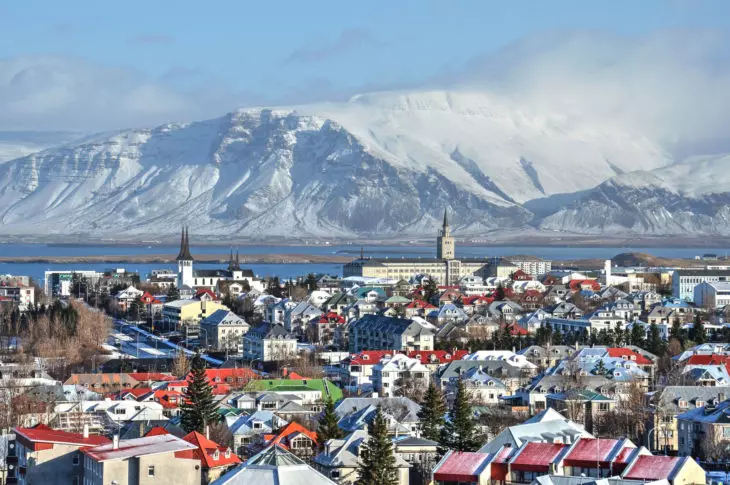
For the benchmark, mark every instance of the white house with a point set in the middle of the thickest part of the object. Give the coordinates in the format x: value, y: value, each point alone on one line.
x: 394, y: 376
x: 712, y: 295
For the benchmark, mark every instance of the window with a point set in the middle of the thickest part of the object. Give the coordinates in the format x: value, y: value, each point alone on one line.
x: 700, y: 404
x: 151, y: 471
x: 75, y: 459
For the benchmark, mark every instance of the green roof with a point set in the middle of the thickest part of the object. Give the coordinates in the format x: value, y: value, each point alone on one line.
x: 324, y: 386
x: 397, y: 299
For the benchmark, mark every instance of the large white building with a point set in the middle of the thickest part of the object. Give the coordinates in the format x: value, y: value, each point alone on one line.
x: 712, y: 295
x: 684, y: 281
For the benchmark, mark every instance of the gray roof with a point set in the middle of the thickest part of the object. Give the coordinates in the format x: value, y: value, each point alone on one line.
x: 400, y: 408
x: 270, y: 330
x: 701, y: 272
x: 667, y: 400
x: 495, y: 368
x: 223, y: 317
x: 274, y: 466
x: 389, y: 325
x: 543, y: 431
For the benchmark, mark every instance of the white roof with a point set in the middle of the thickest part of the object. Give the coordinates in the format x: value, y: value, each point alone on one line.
x: 149, y: 445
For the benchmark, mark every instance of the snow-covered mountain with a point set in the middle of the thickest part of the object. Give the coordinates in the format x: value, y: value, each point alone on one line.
x: 379, y: 165
x: 692, y: 197
x: 15, y: 144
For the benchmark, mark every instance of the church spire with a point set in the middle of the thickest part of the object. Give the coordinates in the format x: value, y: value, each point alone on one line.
x: 446, y: 219
x: 238, y: 262
x: 184, y: 254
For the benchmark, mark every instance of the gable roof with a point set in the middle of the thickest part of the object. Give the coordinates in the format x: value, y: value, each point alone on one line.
x: 537, y: 457
x: 206, y: 452
x: 292, y: 429
x: 148, y: 445
x: 461, y: 467
x: 648, y: 467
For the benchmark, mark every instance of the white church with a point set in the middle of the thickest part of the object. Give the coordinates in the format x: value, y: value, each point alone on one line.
x: 190, y: 280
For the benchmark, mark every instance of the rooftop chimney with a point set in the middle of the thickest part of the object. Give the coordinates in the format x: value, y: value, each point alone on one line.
x: 115, y: 442
x: 86, y: 431
x: 207, y: 431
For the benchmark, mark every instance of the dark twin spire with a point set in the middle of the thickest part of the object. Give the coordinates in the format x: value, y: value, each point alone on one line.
x: 184, y: 254
x: 234, y: 264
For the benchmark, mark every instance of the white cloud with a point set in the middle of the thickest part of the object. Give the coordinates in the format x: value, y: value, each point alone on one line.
x: 65, y: 93
x: 673, y: 85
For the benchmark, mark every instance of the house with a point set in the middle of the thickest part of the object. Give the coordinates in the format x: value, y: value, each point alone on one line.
x: 340, y: 459
x: 536, y: 458
x: 599, y: 458
x: 224, y: 330
x: 106, y: 415
x: 269, y: 342
x: 141, y: 460
x: 448, y: 312
x: 190, y: 311
x: 312, y: 392
x: 357, y: 370
x: 435, y: 359
x: 105, y: 382
x: 401, y: 413
x: 294, y: 438
x: 511, y: 376
x: 581, y: 405
x: 44, y: 455
x: 18, y: 291
x: 125, y: 297
x: 298, y: 317
x: 463, y: 467
x: 374, y: 332
x: 671, y: 401
x: 531, y: 300
x: 675, y: 470
x: 249, y: 429
x: 535, y: 394
x: 273, y: 466
x: 546, y: 357
x: 418, y: 308
x: 483, y: 388
x: 214, y: 459
x: 704, y: 431
x: 400, y: 375
x: 322, y: 329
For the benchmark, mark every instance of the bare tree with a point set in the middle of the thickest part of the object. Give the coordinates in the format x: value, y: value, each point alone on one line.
x: 180, y: 364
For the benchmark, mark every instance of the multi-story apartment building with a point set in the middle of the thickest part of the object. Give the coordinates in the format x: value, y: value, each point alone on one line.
x: 269, y: 342
x: 375, y: 332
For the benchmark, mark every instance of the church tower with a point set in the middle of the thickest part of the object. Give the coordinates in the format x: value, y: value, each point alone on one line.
x: 184, y: 262
x: 444, y: 242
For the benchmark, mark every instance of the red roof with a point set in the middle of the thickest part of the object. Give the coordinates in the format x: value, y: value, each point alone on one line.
x: 535, y: 293
x: 461, y: 467
x: 288, y: 432
x: 622, y: 352
x: 653, y: 468
x: 205, y: 291
x: 708, y: 359
x: 588, y: 451
x: 577, y: 285
x: 44, y: 434
x: 520, y: 275
x: 420, y: 304
x: 515, y: 329
x: 206, y: 452
x: 476, y: 300
x: 440, y: 356
x: 151, y: 376
x: 156, y: 431
x: 149, y: 299
x: 536, y: 457
x: 370, y: 357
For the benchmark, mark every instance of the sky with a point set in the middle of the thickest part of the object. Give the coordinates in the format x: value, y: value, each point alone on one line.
x: 95, y: 65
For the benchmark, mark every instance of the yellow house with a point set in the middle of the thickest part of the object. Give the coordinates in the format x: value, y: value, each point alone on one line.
x: 190, y: 311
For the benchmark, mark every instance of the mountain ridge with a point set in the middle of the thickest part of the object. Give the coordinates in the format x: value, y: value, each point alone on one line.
x: 379, y: 165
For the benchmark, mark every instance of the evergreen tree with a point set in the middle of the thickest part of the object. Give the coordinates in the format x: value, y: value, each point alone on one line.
x: 601, y: 368
x: 173, y: 293
x: 430, y: 289
x: 432, y: 413
x: 377, y: 463
x: 654, y: 342
x: 618, y: 334
x: 499, y: 293
x: 459, y: 432
x: 637, y: 335
x: 311, y: 282
x: 198, y: 409
x: 697, y: 334
x: 676, y: 331
x: 327, y: 427
x: 557, y: 337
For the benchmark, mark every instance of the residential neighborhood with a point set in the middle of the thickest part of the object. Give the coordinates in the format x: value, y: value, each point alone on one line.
x: 447, y: 371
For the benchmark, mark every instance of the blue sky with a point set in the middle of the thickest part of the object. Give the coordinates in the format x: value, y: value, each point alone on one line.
x: 160, y: 54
